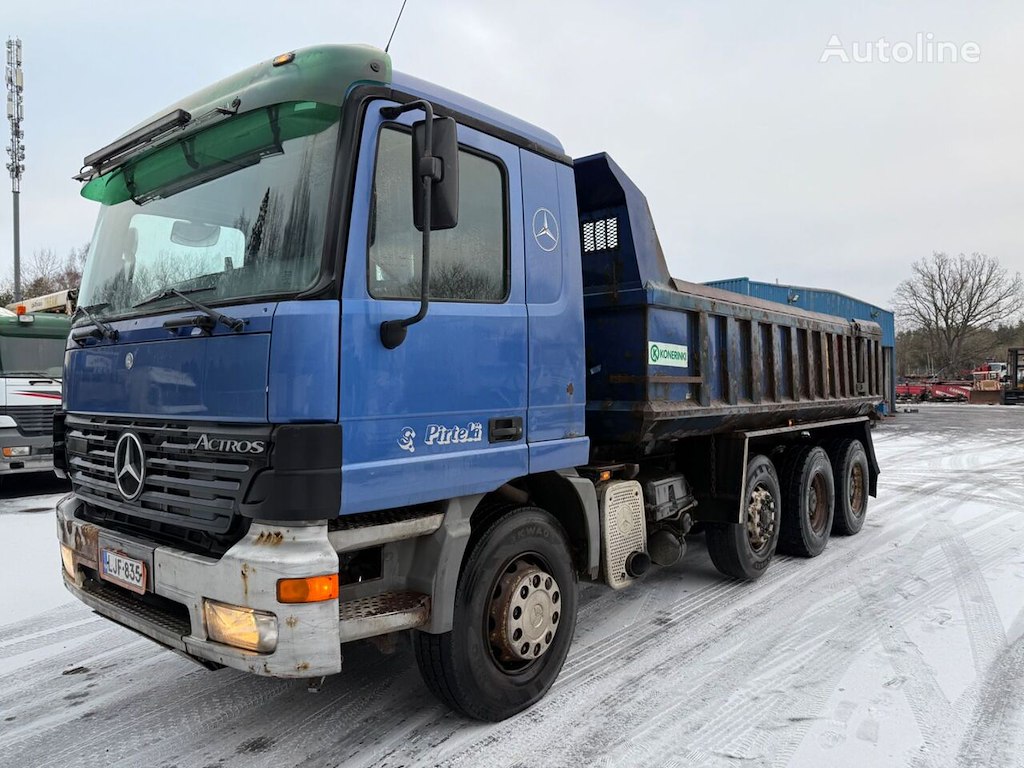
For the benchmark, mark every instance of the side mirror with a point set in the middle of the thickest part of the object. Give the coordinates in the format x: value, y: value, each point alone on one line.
x: 435, y: 198
x: 443, y: 160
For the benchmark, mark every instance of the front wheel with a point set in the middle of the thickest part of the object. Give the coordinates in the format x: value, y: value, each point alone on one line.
x: 745, y: 551
x: 515, y: 614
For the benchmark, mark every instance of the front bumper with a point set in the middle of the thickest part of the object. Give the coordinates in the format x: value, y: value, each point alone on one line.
x: 309, y: 642
x: 40, y: 458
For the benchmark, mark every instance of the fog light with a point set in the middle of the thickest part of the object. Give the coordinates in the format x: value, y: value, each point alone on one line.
x: 21, y: 450
x: 68, y: 558
x: 240, y: 627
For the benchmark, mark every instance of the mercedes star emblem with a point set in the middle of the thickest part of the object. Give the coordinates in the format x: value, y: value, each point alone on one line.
x: 545, y: 229
x: 129, y: 466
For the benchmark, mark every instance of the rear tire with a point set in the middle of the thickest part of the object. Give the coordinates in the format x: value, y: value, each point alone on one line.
x: 515, y: 615
x: 745, y: 551
x: 808, y: 501
x: 852, y: 478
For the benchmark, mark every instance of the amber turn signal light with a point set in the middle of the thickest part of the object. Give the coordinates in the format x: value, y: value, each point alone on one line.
x: 312, y: 589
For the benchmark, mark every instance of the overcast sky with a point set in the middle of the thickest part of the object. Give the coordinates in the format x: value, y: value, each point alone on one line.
x: 757, y: 159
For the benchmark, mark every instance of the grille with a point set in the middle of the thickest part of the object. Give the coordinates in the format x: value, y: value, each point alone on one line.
x: 32, y: 419
x: 185, y: 488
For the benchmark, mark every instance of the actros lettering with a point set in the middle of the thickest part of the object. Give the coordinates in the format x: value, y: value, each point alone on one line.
x: 225, y: 445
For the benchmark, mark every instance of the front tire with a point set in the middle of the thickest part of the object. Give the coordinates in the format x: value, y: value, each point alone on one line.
x: 745, y: 551
x: 515, y: 615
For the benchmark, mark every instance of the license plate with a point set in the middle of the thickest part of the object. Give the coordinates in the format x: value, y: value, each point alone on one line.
x: 129, y: 573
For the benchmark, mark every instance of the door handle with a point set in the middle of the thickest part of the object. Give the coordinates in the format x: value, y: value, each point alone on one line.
x: 506, y: 430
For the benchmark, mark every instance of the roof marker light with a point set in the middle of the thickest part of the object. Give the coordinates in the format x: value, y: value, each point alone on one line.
x: 284, y: 58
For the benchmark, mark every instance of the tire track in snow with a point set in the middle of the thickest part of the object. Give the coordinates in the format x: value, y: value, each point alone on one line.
x: 634, y: 644
x: 995, y: 733
x: 841, y: 612
x: 380, y: 714
x: 629, y: 639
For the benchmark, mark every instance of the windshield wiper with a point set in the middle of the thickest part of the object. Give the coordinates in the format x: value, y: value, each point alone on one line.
x: 102, y: 330
x: 167, y: 293
x: 33, y: 375
x: 231, y: 322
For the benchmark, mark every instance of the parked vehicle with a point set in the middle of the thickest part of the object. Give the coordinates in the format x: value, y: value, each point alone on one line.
x: 31, y: 365
x: 362, y: 355
x: 920, y: 390
x: 1014, y: 394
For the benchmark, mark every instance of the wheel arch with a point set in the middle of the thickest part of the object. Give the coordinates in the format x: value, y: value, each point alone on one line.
x: 718, y: 462
x: 567, y: 497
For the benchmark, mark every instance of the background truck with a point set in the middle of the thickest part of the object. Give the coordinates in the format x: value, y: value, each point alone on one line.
x: 32, y: 340
x: 360, y: 355
x: 1014, y: 394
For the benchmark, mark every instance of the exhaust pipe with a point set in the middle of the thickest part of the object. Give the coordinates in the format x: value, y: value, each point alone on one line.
x: 637, y: 564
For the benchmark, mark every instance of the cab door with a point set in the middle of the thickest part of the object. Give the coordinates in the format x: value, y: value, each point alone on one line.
x: 442, y: 414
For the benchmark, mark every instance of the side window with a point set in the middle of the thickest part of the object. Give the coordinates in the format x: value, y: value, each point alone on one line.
x: 468, y: 262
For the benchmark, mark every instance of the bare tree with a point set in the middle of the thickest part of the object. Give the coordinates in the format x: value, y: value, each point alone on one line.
x: 40, y: 272
x: 950, y: 299
x: 46, y: 272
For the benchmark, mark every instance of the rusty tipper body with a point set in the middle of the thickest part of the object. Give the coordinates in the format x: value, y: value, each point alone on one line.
x: 357, y: 355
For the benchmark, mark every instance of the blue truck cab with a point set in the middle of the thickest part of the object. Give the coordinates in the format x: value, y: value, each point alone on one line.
x: 287, y: 429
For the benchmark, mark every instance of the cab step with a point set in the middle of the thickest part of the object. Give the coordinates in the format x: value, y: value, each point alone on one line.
x: 365, y: 617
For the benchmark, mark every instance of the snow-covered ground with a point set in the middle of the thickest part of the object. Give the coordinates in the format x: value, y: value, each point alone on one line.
x: 901, y: 646
x: 28, y: 548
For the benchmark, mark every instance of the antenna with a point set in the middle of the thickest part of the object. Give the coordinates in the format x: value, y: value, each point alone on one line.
x: 15, y: 114
x: 400, y: 11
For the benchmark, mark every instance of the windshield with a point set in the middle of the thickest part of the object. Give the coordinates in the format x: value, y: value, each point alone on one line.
x: 236, y: 210
x: 26, y: 356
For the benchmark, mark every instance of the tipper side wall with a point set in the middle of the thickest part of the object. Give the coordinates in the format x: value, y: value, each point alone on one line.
x: 669, y: 359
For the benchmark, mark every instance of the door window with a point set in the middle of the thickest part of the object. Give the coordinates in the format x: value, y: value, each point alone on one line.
x: 468, y: 262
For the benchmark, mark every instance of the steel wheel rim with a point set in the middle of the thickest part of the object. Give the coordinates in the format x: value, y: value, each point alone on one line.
x: 857, y: 490
x: 760, y: 518
x: 524, y: 613
x: 817, y: 503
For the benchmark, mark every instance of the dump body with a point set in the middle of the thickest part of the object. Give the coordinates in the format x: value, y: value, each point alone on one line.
x: 669, y: 359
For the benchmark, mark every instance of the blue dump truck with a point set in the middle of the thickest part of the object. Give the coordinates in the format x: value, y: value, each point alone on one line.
x: 357, y: 355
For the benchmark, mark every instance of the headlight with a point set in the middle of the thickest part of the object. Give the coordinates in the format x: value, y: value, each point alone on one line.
x: 20, y: 450
x: 68, y: 558
x: 240, y: 627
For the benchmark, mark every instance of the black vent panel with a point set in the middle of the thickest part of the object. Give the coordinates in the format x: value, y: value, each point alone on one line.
x: 32, y: 419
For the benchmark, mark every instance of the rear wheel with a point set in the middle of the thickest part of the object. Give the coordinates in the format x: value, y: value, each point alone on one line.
x: 515, y: 614
x: 745, y: 551
x: 850, y: 468
x: 808, y: 501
